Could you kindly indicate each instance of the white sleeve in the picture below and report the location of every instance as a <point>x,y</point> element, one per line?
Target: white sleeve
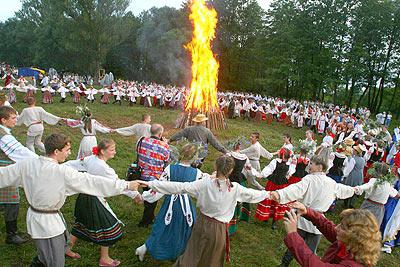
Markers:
<point>265,153</point>
<point>348,166</point>
<point>14,149</point>
<point>294,191</point>
<point>49,118</point>
<point>269,169</point>
<point>10,176</point>
<point>79,182</point>
<point>365,187</point>
<point>393,192</point>
<point>194,188</point>
<point>77,164</point>
<point>127,131</point>
<point>249,195</point>
<point>343,191</point>
<point>151,195</point>
<point>101,128</point>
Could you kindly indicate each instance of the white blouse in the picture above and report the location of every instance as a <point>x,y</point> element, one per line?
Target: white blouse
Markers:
<point>213,200</point>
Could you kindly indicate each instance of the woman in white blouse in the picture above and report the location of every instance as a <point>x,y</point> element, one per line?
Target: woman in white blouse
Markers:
<point>95,221</point>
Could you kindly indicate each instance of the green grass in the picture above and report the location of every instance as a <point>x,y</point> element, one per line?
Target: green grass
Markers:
<point>255,244</point>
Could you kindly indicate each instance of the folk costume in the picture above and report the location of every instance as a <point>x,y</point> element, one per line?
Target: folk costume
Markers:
<point>254,152</point>
<point>208,244</point>
<point>89,137</point>
<point>174,222</point>
<point>318,191</point>
<point>11,151</point>
<point>376,197</point>
<point>277,173</point>
<point>33,118</point>
<point>47,184</point>
<point>95,221</point>
<point>390,226</point>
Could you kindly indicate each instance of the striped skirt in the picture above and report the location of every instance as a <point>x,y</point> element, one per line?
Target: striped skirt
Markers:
<point>94,223</point>
<point>269,208</point>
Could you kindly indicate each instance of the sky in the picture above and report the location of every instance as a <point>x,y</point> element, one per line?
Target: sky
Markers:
<point>9,7</point>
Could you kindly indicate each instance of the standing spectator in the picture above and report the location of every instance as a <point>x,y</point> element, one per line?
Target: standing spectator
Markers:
<point>153,156</point>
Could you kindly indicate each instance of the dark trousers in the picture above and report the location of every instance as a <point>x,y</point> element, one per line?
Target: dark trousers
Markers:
<point>311,240</point>
<point>148,212</point>
<point>10,212</point>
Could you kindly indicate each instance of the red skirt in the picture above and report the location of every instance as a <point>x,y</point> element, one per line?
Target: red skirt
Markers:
<point>47,98</point>
<point>294,179</point>
<point>76,98</point>
<point>269,208</point>
<point>105,99</point>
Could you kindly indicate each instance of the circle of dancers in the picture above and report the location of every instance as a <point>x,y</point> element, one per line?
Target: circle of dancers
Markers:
<point>304,180</point>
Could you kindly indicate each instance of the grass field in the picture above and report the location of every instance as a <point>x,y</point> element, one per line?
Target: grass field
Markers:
<point>255,244</point>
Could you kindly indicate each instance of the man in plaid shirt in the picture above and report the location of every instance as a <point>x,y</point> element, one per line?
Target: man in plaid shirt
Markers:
<point>153,155</point>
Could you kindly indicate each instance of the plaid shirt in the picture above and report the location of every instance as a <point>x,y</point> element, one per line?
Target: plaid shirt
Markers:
<point>153,156</point>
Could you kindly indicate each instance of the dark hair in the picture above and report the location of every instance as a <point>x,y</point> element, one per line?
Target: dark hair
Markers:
<point>6,112</point>
<point>104,144</point>
<point>288,136</point>
<point>56,141</point>
<point>224,165</point>
<point>318,160</point>
<point>257,135</point>
<point>88,122</point>
<point>30,100</point>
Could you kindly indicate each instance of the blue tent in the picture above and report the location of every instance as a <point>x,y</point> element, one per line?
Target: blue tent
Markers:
<point>29,72</point>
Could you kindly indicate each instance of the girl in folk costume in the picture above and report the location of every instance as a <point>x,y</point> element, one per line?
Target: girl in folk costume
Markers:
<point>310,143</point>
<point>375,156</point>
<point>255,151</point>
<point>89,127</point>
<point>378,190</point>
<point>277,173</point>
<point>322,119</point>
<point>95,221</point>
<point>105,98</point>
<point>353,173</point>
<point>241,171</point>
<point>174,222</point>
<point>302,162</point>
<point>337,166</point>
<point>300,118</point>
<point>390,226</point>
<point>253,108</point>
<point>63,92</point>
<point>118,94</point>
<point>29,92</point>
<point>47,98</point>
<point>132,97</point>
<point>269,114</point>
<point>287,143</point>
<point>77,95</point>
<point>216,199</point>
<point>90,94</point>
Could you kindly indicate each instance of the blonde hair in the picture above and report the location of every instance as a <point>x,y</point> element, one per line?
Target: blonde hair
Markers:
<point>188,153</point>
<point>361,235</point>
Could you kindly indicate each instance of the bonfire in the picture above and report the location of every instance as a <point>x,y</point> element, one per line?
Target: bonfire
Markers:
<point>202,97</point>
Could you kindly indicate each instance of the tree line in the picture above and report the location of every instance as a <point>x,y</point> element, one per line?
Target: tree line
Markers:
<point>341,51</point>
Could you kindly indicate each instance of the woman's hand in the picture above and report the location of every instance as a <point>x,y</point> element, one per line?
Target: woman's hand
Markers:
<point>290,222</point>
<point>142,183</point>
<point>301,209</point>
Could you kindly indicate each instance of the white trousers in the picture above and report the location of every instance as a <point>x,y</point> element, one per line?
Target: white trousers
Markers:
<point>35,140</point>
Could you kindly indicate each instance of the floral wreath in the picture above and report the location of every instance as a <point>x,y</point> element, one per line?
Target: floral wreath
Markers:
<point>83,112</point>
<point>390,177</point>
<point>175,150</point>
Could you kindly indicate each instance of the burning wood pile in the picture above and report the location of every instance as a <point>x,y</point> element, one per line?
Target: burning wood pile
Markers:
<point>202,98</point>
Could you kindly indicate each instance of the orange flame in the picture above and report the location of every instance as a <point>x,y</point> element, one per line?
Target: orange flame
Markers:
<point>203,88</point>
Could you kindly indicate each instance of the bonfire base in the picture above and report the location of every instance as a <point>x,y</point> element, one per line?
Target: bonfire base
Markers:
<point>216,119</point>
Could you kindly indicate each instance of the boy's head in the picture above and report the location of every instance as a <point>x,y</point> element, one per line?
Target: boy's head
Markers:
<point>318,164</point>
<point>8,116</point>
<point>58,147</point>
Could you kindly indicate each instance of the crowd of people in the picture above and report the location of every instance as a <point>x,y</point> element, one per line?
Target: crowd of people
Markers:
<point>303,181</point>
